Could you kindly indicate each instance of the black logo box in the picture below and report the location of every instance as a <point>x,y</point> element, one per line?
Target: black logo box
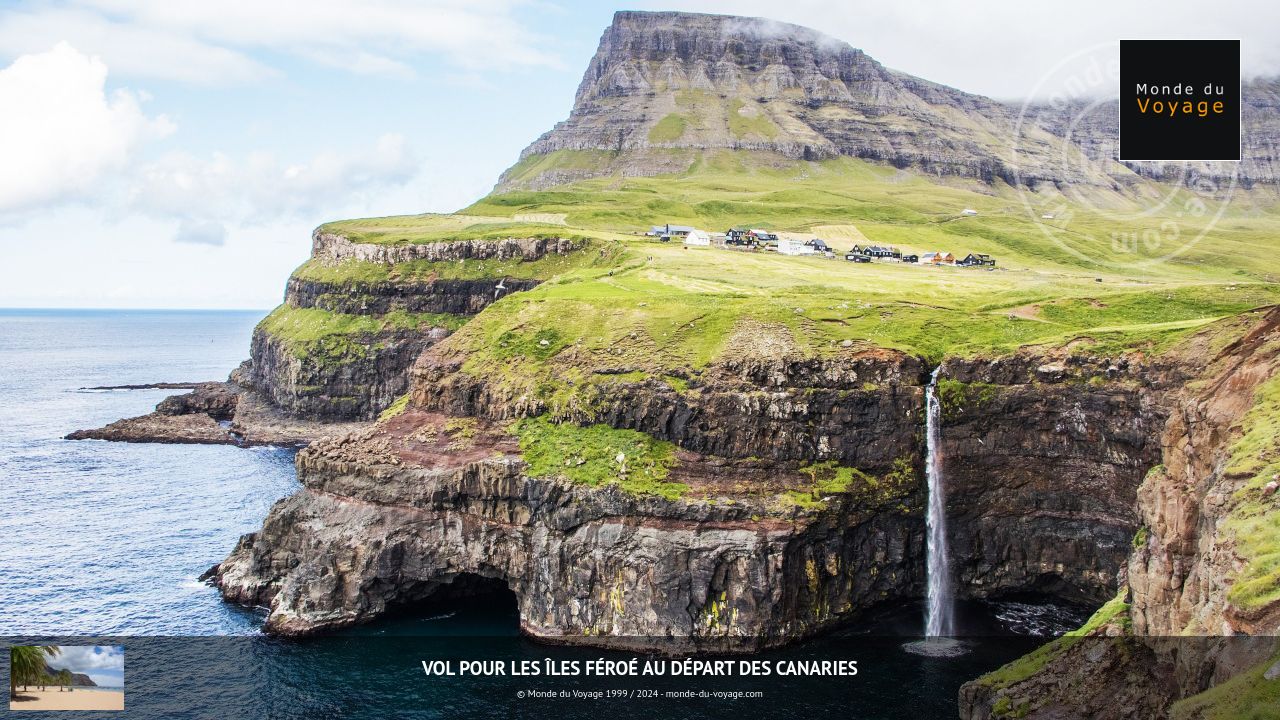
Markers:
<point>1186,68</point>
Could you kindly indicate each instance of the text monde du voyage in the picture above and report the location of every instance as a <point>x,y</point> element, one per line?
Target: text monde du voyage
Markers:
<point>1181,99</point>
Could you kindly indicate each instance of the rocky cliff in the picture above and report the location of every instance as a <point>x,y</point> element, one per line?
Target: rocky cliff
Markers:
<point>795,498</point>
<point>1193,634</point>
<point>1044,454</point>
<point>341,345</point>
<point>77,679</point>
<point>731,551</point>
<point>665,80</point>
<point>1094,127</point>
<point>395,516</point>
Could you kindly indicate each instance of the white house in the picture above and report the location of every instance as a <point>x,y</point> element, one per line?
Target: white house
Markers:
<point>968,211</point>
<point>794,246</point>
<point>697,237</point>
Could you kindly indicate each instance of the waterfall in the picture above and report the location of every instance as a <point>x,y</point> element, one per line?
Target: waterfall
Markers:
<point>938,617</point>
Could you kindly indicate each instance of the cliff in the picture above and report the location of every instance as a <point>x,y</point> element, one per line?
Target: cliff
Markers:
<point>337,352</point>
<point>340,346</point>
<point>1202,605</point>
<point>789,497</point>
<point>663,82</point>
<point>77,679</point>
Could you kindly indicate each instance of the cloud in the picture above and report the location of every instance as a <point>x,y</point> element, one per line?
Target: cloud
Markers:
<point>64,139</point>
<point>214,43</point>
<point>129,48</point>
<point>259,188</point>
<point>89,659</point>
<point>201,232</point>
<point>60,132</point>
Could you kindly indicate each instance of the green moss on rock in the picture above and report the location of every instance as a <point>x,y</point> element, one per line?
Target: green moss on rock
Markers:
<point>598,455</point>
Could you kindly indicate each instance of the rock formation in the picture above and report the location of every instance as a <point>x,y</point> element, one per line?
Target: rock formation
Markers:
<point>1200,609</point>
<point>77,679</point>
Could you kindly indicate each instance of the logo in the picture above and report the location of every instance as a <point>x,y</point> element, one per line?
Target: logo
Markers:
<point>1179,100</point>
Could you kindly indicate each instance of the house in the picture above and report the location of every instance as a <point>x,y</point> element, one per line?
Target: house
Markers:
<point>857,257</point>
<point>910,258</point>
<point>876,251</point>
<point>937,258</point>
<point>973,259</point>
<point>968,211</point>
<point>793,246</point>
<point>763,236</point>
<point>697,237</point>
<point>819,246</point>
<point>738,235</point>
<point>668,231</point>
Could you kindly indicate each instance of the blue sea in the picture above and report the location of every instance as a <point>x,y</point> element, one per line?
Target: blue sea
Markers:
<point>103,543</point>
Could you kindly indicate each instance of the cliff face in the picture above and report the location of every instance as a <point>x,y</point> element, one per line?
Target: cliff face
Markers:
<point>394,516</point>
<point>1094,128</point>
<point>663,87</point>
<point>669,80</point>
<point>1199,609</point>
<point>346,354</point>
<point>1043,458</point>
<point>861,410</point>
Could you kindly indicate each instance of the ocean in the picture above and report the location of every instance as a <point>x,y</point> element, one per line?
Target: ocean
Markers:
<point>104,542</point>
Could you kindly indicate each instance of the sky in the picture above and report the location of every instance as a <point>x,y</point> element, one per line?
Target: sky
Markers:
<point>104,664</point>
<point>178,153</point>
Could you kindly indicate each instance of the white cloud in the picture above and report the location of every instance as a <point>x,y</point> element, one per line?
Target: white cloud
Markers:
<point>195,40</point>
<point>60,132</point>
<point>260,188</point>
<point>129,48</point>
<point>89,658</point>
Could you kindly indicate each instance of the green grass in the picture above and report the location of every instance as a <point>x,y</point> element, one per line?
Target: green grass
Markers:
<point>599,254</point>
<point>1254,521</point>
<point>830,478</point>
<point>665,310</point>
<point>1247,696</point>
<point>396,408</point>
<point>745,126</point>
<point>668,129</point>
<point>1028,665</point>
<point>431,228</point>
<point>329,338</point>
<point>591,456</point>
<point>955,396</point>
<point>303,325</point>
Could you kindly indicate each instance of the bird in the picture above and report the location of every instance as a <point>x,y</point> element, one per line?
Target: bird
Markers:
<point>497,289</point>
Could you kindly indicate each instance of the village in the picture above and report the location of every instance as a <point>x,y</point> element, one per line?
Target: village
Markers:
<point>805,244</point>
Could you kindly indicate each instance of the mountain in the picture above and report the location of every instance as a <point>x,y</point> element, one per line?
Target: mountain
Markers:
<point>77,679</point>
<point>665,87</point>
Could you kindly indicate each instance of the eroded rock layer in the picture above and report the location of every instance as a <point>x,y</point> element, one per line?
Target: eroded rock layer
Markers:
<point>393,516</point>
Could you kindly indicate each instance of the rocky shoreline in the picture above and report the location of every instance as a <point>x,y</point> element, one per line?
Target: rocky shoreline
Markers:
<point>217,413</point>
